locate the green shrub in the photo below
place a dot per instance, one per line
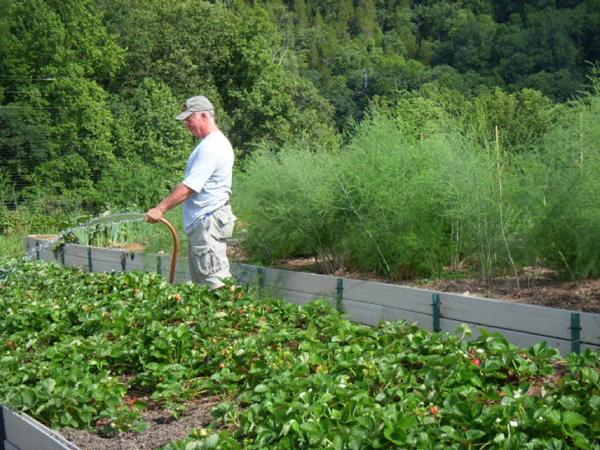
(285, 202)
(566, 229)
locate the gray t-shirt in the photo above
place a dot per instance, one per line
(208, 174)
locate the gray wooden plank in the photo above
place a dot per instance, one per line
(300, 281)
(550, 322)
(590, 328)
(396, 314)
(391, 295)
(77, 250)
(299, 298)
(106, 266)
(75, 261)
(25, 433)
(522, 339)
(361, 312)
(137, 262)
(180, 277)
(244, 273)
(108, 254)
(46, 253)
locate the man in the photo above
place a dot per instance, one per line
(204, 192)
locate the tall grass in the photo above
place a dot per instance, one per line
(286, 204)
(429, 195)
(566, 230)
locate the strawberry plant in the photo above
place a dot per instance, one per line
(94, 350)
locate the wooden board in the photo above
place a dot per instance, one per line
(361, 312)
(25, 433)
(546, 322)
(390, 295)
(300, 281)
(369, 302)
(514, 337)
(299, 298)
(590, 328)
(245, 273)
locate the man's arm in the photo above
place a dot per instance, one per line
(179, 195)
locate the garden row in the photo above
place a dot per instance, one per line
(93, 350)
(362, 301)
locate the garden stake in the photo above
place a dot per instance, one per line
(575, 333)
(2, 431)
(158, 265)
(123, 262)
(89, 254)
(436, 313)
(340, 294)
(175, 248)
(260, 272)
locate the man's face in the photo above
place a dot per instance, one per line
(197, 124)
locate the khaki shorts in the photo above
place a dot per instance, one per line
(208, 249)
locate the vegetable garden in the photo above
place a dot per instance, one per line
(94, 351)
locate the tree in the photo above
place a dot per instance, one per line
(57, 121)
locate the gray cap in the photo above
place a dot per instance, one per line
(195, 104)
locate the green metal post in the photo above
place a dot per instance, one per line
(89, 254)
(436, 313)
(123, 262)
(260, 271)
(158, 265)
(340, 294)
(37, 250)
(2, 430)
(575, 332)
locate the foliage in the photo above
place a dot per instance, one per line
(565, 212)
(286, 202)
(423, 187)
(92, 350)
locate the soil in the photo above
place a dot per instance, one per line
(164, 429)
(535, 286)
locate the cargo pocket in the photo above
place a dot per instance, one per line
(209, 262)
(224, 222)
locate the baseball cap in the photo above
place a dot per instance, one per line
(195, 104)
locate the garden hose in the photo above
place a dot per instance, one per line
(175, 248)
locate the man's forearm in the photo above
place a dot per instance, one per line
(179, 195)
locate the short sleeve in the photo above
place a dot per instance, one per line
(201, 168)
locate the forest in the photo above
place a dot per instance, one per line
(409, 136)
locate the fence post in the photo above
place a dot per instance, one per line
(61, 252)
(260, 271)
(89, 255)
(575, 333)
(37, 249)
(2, 431)
(436, 313)
(158, 265)
(123, 262)
(339, 290)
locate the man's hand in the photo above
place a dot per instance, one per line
(180, 194)
(154, 215)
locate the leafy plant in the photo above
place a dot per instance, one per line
(93, 350)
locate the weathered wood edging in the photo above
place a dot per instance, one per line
(366, 302)
(18, 431)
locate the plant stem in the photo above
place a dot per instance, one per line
(500, 170)
(362, 222)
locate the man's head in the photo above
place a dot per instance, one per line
(199, 116)
(198, 103)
